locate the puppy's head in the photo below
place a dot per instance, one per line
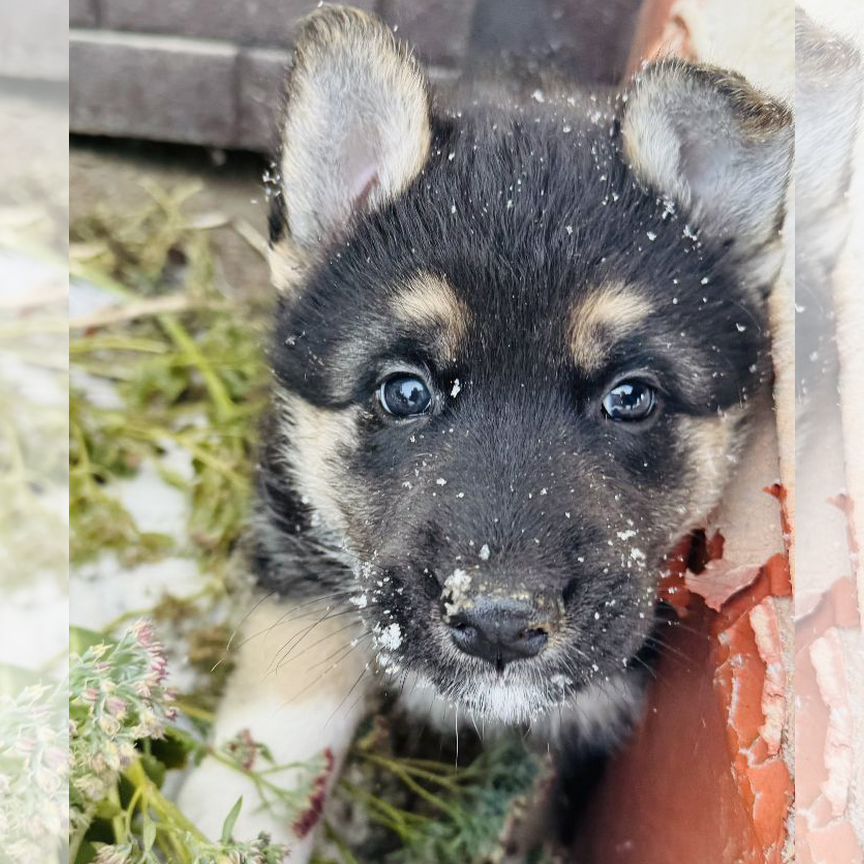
(514, 350)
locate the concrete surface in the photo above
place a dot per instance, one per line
(105, 173)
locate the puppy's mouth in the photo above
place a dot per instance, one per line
(557, 681)
(524, 692)
(489, 681)
(511, 658)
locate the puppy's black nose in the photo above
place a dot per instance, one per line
(499, 631)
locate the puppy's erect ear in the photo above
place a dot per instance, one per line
(356, 129)
(713, 143)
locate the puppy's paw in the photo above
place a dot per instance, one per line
(303, 716)
(212, 790)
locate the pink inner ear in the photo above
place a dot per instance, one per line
(364, 186)
(360, 160)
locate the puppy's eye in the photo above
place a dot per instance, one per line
(630, 401)
(404, 395)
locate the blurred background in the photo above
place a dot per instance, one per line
(204, 72)
(188, 91)
(173, 103)
(34, 467)
(34, 198)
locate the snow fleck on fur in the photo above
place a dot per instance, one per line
(389, 637)
(456, 588)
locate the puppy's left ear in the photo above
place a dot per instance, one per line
(715, 145)
(356, 129)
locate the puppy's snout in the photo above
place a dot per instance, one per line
(500, 631)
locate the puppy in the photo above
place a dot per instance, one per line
(516, 348)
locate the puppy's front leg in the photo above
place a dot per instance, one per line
(299, 687)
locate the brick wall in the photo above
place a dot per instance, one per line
(208, 71)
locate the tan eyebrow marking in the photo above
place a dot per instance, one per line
(602, 318)
(428, 301)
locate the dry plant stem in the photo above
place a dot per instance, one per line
(384, 813)
(404, 773)
(334, 837)
(134, 614)
(182, 340)
(252, 237)
(194, 712)
(108, 342)
(142, 309)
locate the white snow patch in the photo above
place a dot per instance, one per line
(390, 637)
(455, 594)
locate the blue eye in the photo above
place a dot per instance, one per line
(405, 395)
(630, 401)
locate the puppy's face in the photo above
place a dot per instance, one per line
(514, 353)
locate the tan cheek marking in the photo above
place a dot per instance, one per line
(708, 442)
(285, 649)
(602, 318)
(428, 301)
(315, 442)
(288, 266)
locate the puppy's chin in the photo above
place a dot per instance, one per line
(599, 714)
(510, 700)
(504, 700)
(519, 694)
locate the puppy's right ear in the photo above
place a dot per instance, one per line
(710, 141)
(356, 129)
